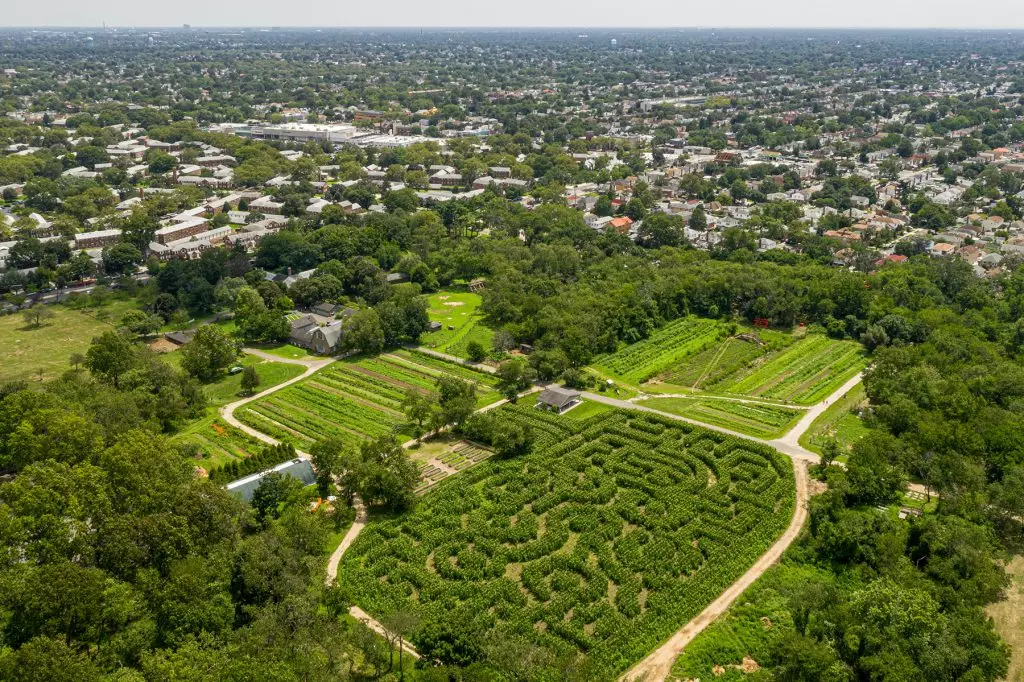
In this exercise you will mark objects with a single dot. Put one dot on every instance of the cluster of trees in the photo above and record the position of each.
(379, 472)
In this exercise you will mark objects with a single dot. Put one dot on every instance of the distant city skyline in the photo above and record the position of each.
(980, 14)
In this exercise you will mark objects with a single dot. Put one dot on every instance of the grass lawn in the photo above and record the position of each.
(839, 422)
(589, 408)
(457, 309)
(432, 447)
(229, 387)
(286, 351)
(25, 351)
(760, 421)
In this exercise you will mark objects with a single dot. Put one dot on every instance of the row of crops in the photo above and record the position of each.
(807, 372)
(610, 535)
(356, 399)
(758, 420)
(717, 363)
(217, 443)
(666, 347)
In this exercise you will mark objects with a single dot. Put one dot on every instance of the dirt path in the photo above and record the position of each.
(346, 542)
(457, 360)
(658, 664)
(227, 412)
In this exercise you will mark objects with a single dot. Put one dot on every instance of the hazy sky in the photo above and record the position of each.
(609, 13)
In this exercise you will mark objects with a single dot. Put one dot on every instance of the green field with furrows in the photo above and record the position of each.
(666, 347)
(716, 363)
(356, 399)
(805, 373)
(758, 420)
(614, 532)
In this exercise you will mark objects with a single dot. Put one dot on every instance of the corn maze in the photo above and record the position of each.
(353, 400)
(609, 536)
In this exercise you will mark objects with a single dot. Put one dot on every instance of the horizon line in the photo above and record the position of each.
(551, 27)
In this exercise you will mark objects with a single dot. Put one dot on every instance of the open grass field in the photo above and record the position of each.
(804, 373)
(760, 421)
(666, 347)
(604, 540)
(30, 352)
(356, 399)
(839, 421)
(228, 388)
(721, 360)
(457, 309)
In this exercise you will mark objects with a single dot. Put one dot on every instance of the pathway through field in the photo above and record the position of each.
(657, 665)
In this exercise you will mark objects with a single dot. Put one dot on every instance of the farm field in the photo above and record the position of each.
(457, 309)
(710, 367)
(839, 421)
(355, 399)
(213, 443)
(610, 535)
(666, 347)
(804, 373)
(760, 421)
(26, 351)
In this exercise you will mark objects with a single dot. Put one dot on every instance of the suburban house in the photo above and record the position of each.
(558, 399)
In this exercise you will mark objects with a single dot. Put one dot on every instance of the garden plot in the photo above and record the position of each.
(354, 400)
(608, 537)
(757, 420)
(666, 347)
(805, 373)
(710, 367)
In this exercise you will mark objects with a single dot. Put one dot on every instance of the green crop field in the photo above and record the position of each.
(804, 373)
(666, 347)
(213, 443)
(355, 399)
(760, 421)
(609, 536)
(459, 310)
(710, 367)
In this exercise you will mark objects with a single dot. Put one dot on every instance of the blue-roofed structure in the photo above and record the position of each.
(296, 468)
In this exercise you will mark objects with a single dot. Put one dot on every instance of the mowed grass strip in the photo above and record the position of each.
(759, 421)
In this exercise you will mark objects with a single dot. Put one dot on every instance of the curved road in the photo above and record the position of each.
(227, 412)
